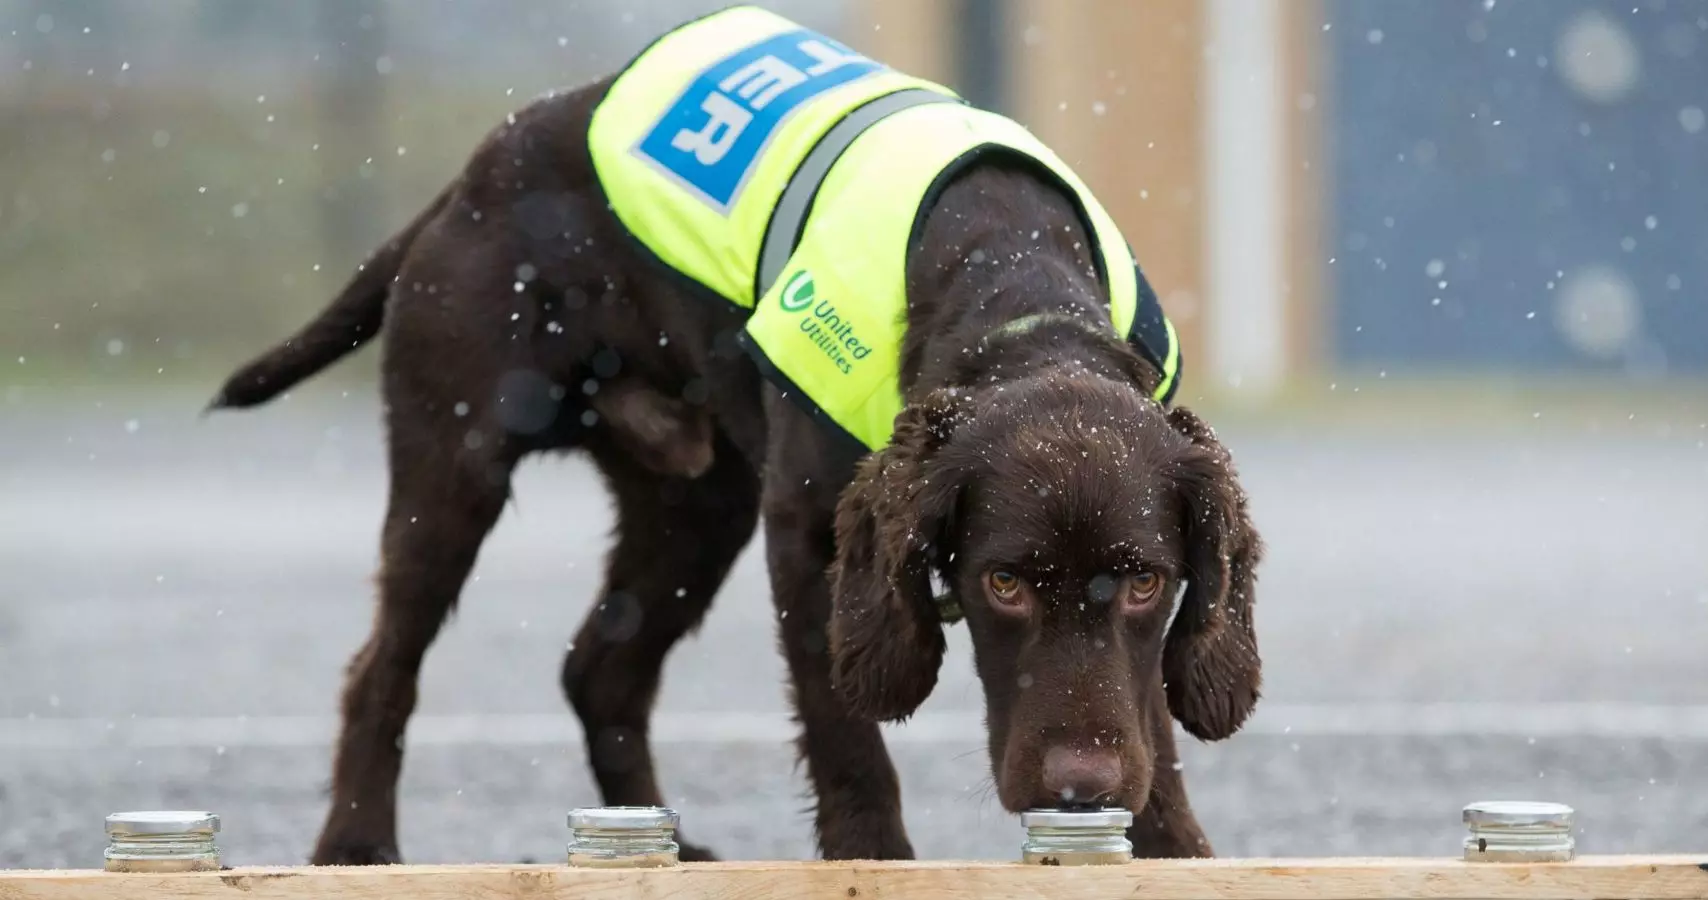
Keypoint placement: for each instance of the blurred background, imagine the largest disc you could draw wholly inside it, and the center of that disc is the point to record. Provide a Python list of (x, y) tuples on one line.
[(1441, 271)]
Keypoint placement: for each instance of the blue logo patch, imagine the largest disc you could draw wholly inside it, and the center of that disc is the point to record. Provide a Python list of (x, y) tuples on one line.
[(710, 138)]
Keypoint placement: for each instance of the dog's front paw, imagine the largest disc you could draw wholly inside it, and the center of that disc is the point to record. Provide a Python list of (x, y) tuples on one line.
[(887, 843), (354, 853)]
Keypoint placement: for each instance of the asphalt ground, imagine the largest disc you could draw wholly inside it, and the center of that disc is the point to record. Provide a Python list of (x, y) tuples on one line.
[(1446, 615)]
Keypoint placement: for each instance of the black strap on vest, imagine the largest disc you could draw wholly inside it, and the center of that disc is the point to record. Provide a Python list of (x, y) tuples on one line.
[(789, 218), (1150, 333)]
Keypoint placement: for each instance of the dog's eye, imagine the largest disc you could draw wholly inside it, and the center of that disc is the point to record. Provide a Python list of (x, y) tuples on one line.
[(1004, 585), (1143, 587)]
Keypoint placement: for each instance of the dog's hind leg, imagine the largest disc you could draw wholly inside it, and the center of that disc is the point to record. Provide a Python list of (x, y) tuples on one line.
[(676, 541), (450, 470)]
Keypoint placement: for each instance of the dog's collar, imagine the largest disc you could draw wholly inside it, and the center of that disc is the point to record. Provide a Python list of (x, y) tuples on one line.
[(1031, 322)]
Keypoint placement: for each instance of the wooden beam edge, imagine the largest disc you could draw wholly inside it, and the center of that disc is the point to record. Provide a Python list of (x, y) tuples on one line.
[(1655, 877)]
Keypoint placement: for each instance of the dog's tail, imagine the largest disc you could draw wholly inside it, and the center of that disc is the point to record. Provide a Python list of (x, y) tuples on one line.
[(348, 322)]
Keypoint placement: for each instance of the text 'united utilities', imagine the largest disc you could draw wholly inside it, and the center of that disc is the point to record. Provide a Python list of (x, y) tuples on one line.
[(819, 321)]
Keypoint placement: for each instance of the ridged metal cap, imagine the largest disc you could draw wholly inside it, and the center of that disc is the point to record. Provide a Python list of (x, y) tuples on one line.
[(624, 817), (163, 821), (1518, 814), (1108, 817)]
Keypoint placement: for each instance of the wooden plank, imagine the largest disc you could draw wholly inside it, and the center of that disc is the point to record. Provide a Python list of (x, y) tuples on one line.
[(1588, 878)]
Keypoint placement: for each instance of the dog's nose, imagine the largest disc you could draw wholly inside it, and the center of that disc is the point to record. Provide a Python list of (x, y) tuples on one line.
[(1081, 775)]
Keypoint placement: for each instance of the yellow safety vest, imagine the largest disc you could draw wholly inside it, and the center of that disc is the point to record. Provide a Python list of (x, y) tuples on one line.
[(784, 172)]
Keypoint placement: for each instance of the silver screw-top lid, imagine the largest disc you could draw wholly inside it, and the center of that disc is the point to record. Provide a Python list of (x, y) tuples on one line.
[(636, 818), (1108, 817), (1518, 814), (168, 821)]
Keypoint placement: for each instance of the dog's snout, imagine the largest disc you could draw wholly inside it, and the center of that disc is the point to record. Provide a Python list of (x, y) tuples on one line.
[(1081, 775)]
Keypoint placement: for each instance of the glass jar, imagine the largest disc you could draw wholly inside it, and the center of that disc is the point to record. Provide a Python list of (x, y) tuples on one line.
[(623, 837), (1518, 831), (162, 841), (1076, 837)]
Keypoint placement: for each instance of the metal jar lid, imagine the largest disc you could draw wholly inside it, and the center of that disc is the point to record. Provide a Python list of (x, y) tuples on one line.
[(167, 821), (624, 818), (1109, 817), (1518, 814)]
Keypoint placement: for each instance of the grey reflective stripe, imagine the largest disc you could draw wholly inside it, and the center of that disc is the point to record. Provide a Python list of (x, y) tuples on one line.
[(791, 212)]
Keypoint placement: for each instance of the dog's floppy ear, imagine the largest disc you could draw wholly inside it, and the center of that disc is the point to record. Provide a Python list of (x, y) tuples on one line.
[(886, 639), (1211, 667)]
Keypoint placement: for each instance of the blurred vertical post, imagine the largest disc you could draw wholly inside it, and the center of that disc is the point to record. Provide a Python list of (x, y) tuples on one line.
[(350, 96), (1304, 66), (1245, 331), (981, 57)]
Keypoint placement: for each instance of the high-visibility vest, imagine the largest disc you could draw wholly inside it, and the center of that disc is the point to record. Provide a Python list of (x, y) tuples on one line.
[(785, 173)]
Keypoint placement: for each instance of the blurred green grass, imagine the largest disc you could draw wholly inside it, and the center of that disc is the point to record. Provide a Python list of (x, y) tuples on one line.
[(169, 237)]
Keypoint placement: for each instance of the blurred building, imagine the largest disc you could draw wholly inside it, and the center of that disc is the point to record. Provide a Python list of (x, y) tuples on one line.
[(1440, 186)]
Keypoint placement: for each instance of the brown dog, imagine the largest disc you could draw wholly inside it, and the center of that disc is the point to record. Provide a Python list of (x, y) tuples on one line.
[(1063, 508)]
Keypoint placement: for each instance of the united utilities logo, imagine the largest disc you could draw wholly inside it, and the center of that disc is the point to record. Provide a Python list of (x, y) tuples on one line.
[(830, 331)]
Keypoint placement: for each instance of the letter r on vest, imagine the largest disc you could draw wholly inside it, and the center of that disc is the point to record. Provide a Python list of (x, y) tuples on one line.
[(714, 139)]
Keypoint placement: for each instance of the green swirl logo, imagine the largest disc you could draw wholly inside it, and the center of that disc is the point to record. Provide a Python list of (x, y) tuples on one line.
[(798, 293)]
